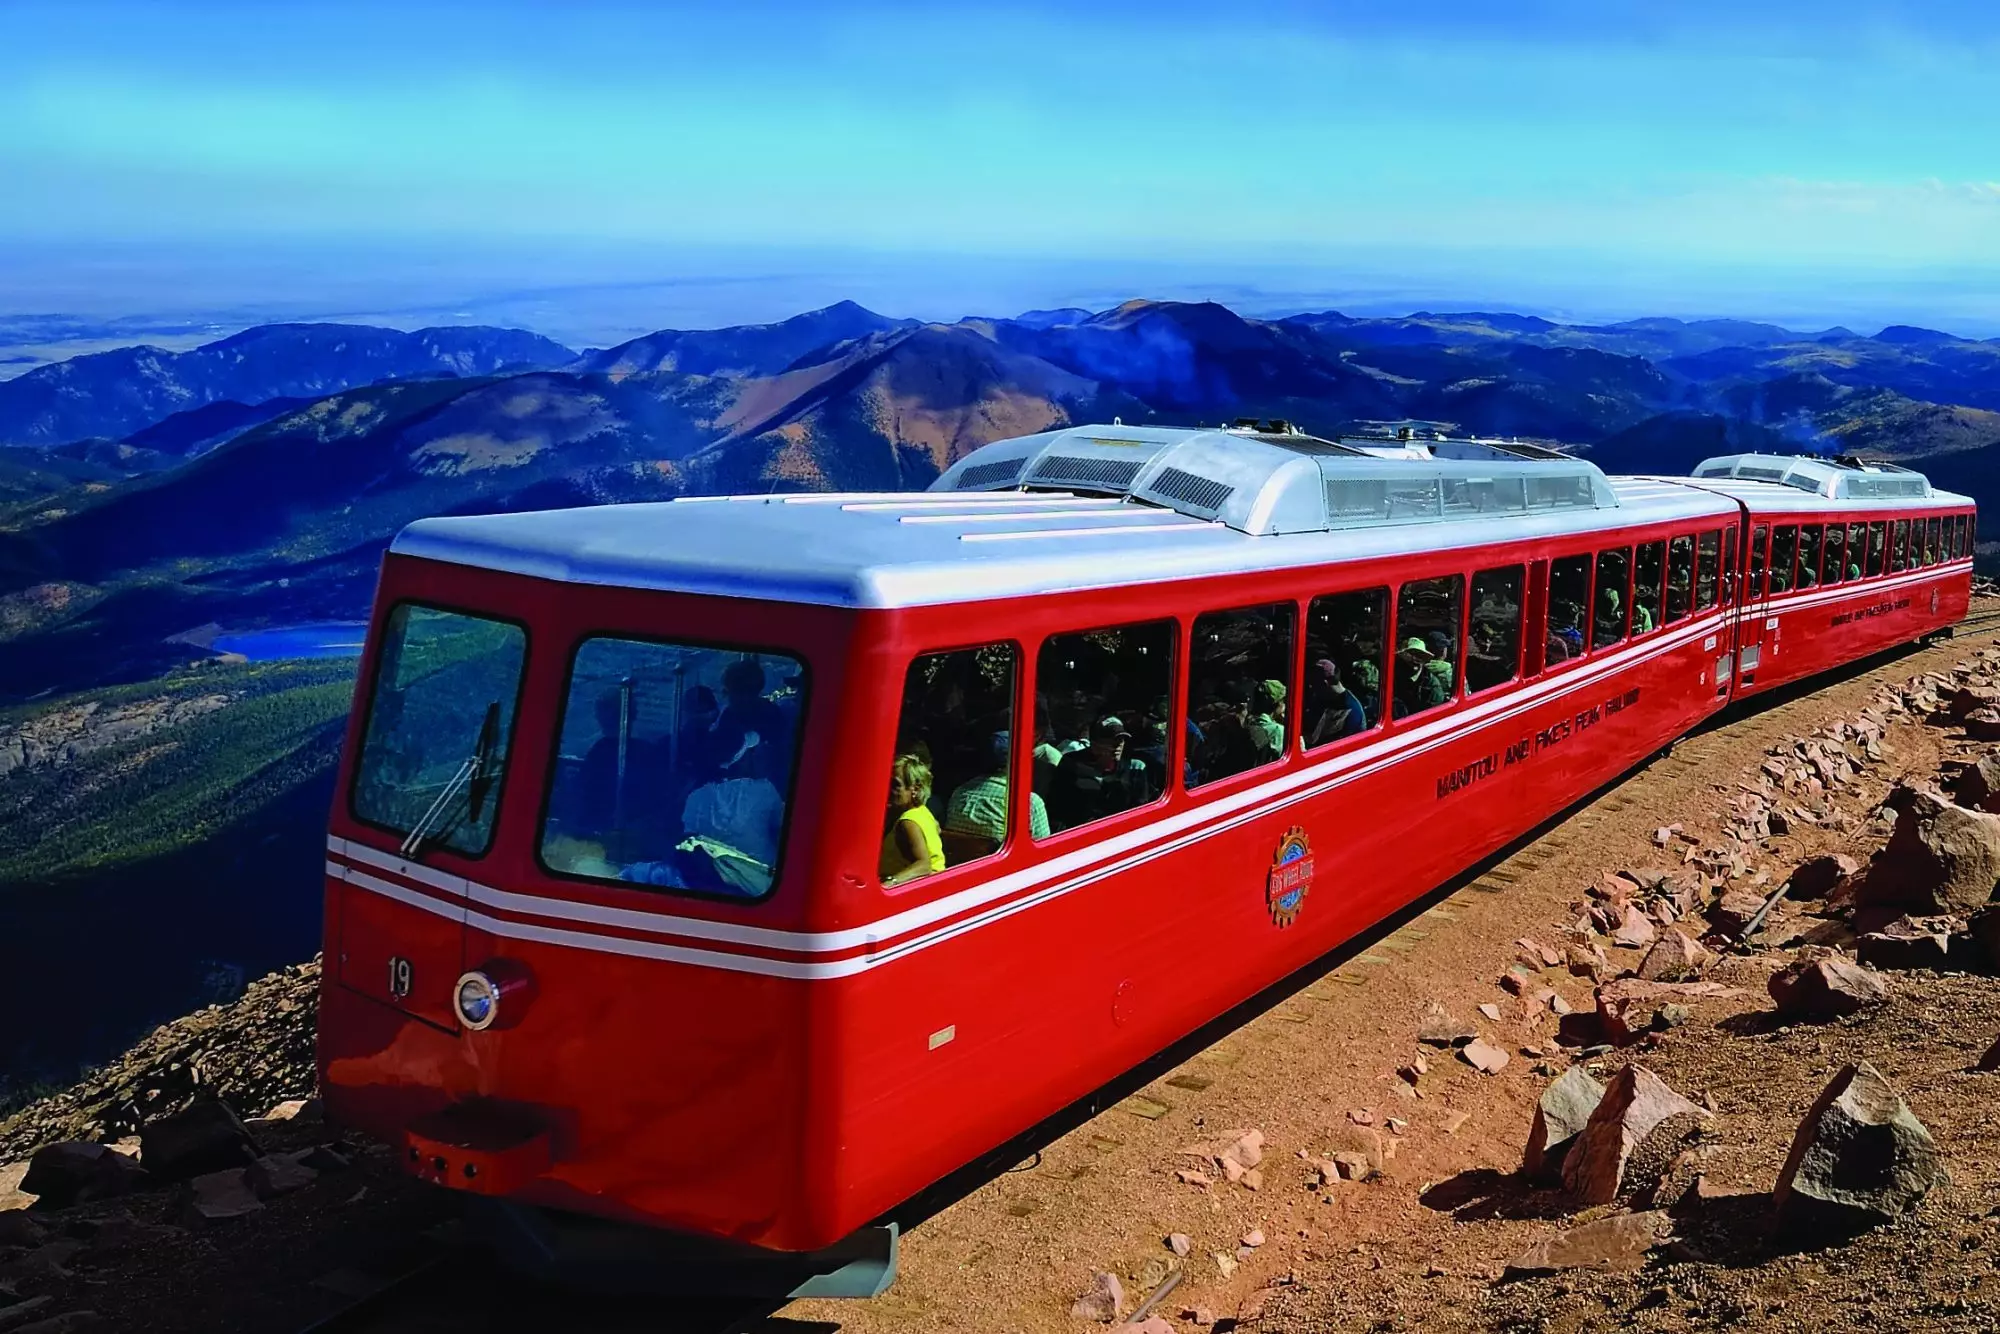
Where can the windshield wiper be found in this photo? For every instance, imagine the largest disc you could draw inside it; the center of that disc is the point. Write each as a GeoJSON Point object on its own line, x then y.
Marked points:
{"type": "Point", "coordinates": [472, 779]}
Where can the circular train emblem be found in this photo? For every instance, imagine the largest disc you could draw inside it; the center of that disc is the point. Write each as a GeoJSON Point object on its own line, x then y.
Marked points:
{"type": "Point", "coordinates": [1291, 876]}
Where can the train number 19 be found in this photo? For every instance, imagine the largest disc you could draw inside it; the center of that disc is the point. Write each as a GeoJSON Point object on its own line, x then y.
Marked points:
{"type": "Point", "coordinates": [399, 976]}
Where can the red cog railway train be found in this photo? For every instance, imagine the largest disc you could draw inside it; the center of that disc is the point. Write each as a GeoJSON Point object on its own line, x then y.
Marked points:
{"type": "Point", "coordinates": [741, 866]}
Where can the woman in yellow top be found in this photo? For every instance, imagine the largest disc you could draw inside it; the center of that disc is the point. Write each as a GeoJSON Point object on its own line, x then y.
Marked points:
{"type": "Point", "coordinates": [913, 847]}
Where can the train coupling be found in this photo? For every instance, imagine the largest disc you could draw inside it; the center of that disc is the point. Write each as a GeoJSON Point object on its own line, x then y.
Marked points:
{"type": "Point", "coordinates": [483, 1147]}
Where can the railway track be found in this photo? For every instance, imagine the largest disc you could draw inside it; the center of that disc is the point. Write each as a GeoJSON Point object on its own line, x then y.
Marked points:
{"type": "Point", "coordinates": [454, 1288]}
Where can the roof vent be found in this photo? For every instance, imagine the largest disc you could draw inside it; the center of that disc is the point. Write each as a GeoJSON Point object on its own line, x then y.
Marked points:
{"type": "Point", "coordinates": [987, 475]}
{"type": "Point", "coordinates": [1091, 473]}
{"type": "Point", "coordinates": [1200, 493]}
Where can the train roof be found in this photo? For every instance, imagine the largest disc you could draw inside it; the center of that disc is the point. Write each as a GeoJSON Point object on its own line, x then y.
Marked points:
{"type": "Point", "coordinates": [1781, 483]}
{"type": "Point", "coordinates": [894, 549]}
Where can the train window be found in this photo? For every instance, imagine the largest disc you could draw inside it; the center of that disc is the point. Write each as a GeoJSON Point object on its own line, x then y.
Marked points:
{"type": "Point", "coordinates": [1808, 573]}
{"type": "Point", "coordinates": [1958, 537]}
{"type": "Point", "coordinates": [1427, 620]}
{"type": "Point", "coordinates": [948, 781]}
{"type": "Point", "coordinates": [1107, 696]}
{"type": "Point", "coordinates": [1680, 578]}
{"type": "Point", "coordinates": [1964, 535]}
{"type": "Point", "coordinates": [1614, 597]}
{"type": "Point", "coordinates": [1931, 543]}
{"type": "Point", "coordinates": [1857, 549]}
{"type": "Point", "coordinates": [1877, 547]}
{"type": "Point", "coordinates": [1729, 566]}
{"type": "Point", "coordinates": [1705, 569]}
{"type": "Point", "coordinates": [1784, 555]}
{"type": "Point", "coordinates": [1239, 690]}
{"type": "Point", "coordinates": [1493, 639]}
{"type": "Point", "coordinates": [1836, 553]}
{"type": "Point", "coordinates": [1569, 608]}
{"type": "Point", "coordinates": [1759, 564]}
{"type": "Point", "coordinates": [439, 723]}
{"type": "Point", "coordinates": [674, 766]}
{"type": "Point", "coordinates": [1647, 568]}
{"type": "Point", "coordinates": [1899, 550]}
{"type": "Point", "coordinates": [1345, 637]}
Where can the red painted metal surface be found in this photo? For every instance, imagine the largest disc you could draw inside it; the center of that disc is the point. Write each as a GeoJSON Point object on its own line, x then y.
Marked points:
{"type": "Point", "coordinates": [783, 1072]}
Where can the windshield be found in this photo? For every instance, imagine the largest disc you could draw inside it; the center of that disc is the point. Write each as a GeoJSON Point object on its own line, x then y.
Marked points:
{"type": "Point", "coordinates": [439, 722]}
{"type": "Point", "coordinates": [675, 766]}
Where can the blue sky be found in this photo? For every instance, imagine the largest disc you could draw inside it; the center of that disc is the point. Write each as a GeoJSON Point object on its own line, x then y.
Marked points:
{"type": "Point", "coordinates": [1784, 159]}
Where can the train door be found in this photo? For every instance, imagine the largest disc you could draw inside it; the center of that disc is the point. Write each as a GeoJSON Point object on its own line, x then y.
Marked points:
{"type": "Point", "coordinates": [1753, 617]}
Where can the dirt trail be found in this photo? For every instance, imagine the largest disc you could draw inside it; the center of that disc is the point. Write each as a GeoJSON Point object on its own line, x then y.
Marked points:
{"type": "Point", "coordinates": [1013, 1254]}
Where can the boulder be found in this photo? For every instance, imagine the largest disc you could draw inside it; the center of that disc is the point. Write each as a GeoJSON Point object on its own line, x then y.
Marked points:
{"type": "Point", "coordinates": [1675, 957]}
{"type": "Point", "coordinates": [1103, 1301]}
{"type": "Point", "coordinates": [1990, 1062]}
{"type": "Point", "coordinates": [1979, 786]}
{"type": "Point", "coordinates": [1440, 1028]}
{"type": "Point", "coordinates": [1860, 1158]}
{"type": "Point", "coordinates": [215, 1196]}
{"type": "Point", "coordinates": [207, 1137]}
{"type": "Point", "coordinates": [12, 1197]}
{"type": "Point", "coordinates": [1941, 857]}
{"type": "Point", "coordinates": [1827, 987]}
{"type": "Point", "coordinates": [1635, 1104]}
{"type": "Point", "coordinates": [1589, 961]}
{"type": "Point", "coordinates": [1913, 942]}
{"type": "Point", "coordinates": [1560, 1116]}
{"type": "Point", "coordinates": [20, 1228]}
{"type": "Point", "coordinates": [1984, 927]}
{"type": "Point", "coordinates": [73, 1172]}
{"type": "Point", "coordinates": [1734, 912]}
{"type": "Point", "coordinates": [1612, 1244]}
{"type": "Point", "coordinates": [1635, 930]}
{"type": "Point", "coordinates": [1817, 877]}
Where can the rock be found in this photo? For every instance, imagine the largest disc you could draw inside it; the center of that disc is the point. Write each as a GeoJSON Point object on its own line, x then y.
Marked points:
{"type": "Point", "coordinates": [1860, 1158]}
{"type": "Point", "coordinates": [278, 1174]}
{"type": "Point", "coordinates": [1612, 1244]}
{"type": "Point", "coordinates": [1941, 857]}
{"type": "Point", "coordinates": [1635, 1104]}
{"type": "Point", "coordinates": [1515, 982]}
{"type": "Point", "coordinates": [1983, 724]}
{"type": "Point", "coordinates": [324, 1158]}
{"type": "Point", "coordinates": [1559, 1005]}
{"type": "Point", "coordinates": [1629, 1006]}
{"type": "Point", "coordinates": [1225, 1262]}
{"type": "Point", "coordinates": [1588, 961]}
{"type": "Point", "coordinates": [1817, 877]}
{"type": "Point", "coordinates": [1665, 835]}
{"type": "Point", "coordinates": [1490, 1010]}
{"type": "Point", "coordinates": [1353, 1166]}
{"type": "Point", "coordinates": [12, 1197]}
{"type": "Point", "coordinates": [1735, 911]}
{"type": "Point", "coordinates": [1635, 931]}
{"type": "Point", "coordinates": [1152, 1324]}
{"type": "Point", "coordinates": [75, 1173]}
{"type": "Point", "coordinates": [14, 1316]}
{"type": "Point", "coordinates": [1484, 1057]}
{"type": "Point", "coordinates": [215, 1196]}
{"type": "Point", "coordinates": [207, 1137]}
{"type": "Point", "coordinates": [1675, 957]}
{"type": "Point", "coordinates": [1253, 1238]}
{"type": "Point", "coordinates": [19, 1229]}
{"type": "Point", "coordinates": [1188, 1177]}
{"type": "Point", "coordinates": [1537, 955]}
{"type": "Point", "coordinates": [1440, 1029]}
{"type": "Point", "coordinates": [1104, 1301]}
{"type": "Point", "coordinates": [1415, 1070]}
{"type": "Point", "coordinates": [305, 1111]}
{"type": "Point", "coordinates": [1180, 1243]}
{"type": "Point", "coordinates": [1979, 786]}
{"type": "Point", "coordinates": [1825, 988]}
{"type": "Point", "coordinates": [1984, 927]}
{"type": "Point", "coordinates": [1990, 1062]}
{"type": "Point", "coordinates": [1560, 1116]}
{"type": "Point", "coordinates": [1455, 1121]}
{"type": "Point", "coordinates": [1912, 942]}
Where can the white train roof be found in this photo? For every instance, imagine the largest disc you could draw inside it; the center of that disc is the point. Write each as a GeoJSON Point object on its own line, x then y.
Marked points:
{"type": "Point", "coordinates": [1779, 483]}
{"type": "Point", "coordinates": [897, 549]}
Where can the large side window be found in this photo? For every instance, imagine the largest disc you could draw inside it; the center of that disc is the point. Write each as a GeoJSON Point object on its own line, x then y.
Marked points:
{"type": "Point", "coordinates": [1759, 562]}
{"type": "Point", "coordinates": [1346, 634]}
{"type": "Point", "coordinates": [1493, 638]}
{"type": "Point", "coordinates": [1835, 566]}
{"type": "Point", "coordinates": [1899, 549]}
{"type": "Point", "coordinates": [1932, 547]}
{"type": "Point", "coordinates": [1784, 556]}
{"type": "Point", "coordinates": [1964, 535]}
{"type": "Point", "coordinates": [1239, 689]}
{"type": "Point", "coordinates": [1680, 578]}
{"type": "Point", "coordinates": [1112, 689]}
{"type": "Point", "coordinates": [440, 718]}
{"type": "Point", "coordinates": [1614, 596]}
{"type": "Point", "coordinates": [674, 766]}
{"type": "Point", "coordinates": [1729, 566]}
{"type": "Point", "coordinates": [1808, 575]}
{"type": "Point", "coordinates": [1569, 608]}
{"type": "Point", "coordinates": [1427, 620]}
{"type": "Point", "coordinates": [1877, 544]}
{"type": "Point", "coordinates": [1958, 537]}
{"type": "Point", "coordinates": [1647, 568]}
{"type": "Point", "coordinates": [1708, 561]}
{"type": "Point", "coordinates": [953, 763]}
{"type": "Point", "coordinates": [1857, 550]}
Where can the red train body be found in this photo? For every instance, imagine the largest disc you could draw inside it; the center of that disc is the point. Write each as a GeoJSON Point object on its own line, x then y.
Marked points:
{"type": "Point", "coordinates": [781, 1067]}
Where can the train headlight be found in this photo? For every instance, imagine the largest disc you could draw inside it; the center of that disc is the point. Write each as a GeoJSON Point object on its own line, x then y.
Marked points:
{"type": "Point", "coordinates": [477, 1000]}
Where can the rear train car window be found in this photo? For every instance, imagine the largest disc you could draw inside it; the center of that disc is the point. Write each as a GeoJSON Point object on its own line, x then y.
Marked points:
{"type": "Point", "coordinates": [1493, 638]}
{"type": "Point", "coordinates": [1808, 575]}
{"type": "Point", "coordinates": [1680, 579]}
{"type": "Point", "coordinates": [1835, 566]}
{"type": "Point", "coordinates": [674, 766]}
{"type": "Point", "coordinates": [1239, 690]}
{"type": "Point", "coordinates": [1614, 597]}
{"type": "Point", "coordinates": [1857, 549]}
{"type": "Point", "coordinates": [1427, 621]}
{"type": "Point", "coordinates": [1784, 555]}
{"type": "Point", "coordinates": [440, 718]}
{"type": "Point", "coordinates": [1647, 569]}
{"type": "Point", "coordinates": [1569, 608]}
{"type": "Point", "coordinates": [1346, 635]}
{"type": "Point", "coordinates": [1107, 698]}
{"type": "Point", "coordinates": [1899, 552]}
{"type": "Point", "coordinates": [948, 781]}
{"type": "Point", "coordinates": [1707, 563]}
{"type": "Point", "coordinates": [1876, 548]}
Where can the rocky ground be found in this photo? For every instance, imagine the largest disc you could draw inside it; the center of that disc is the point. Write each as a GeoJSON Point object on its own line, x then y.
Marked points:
{"type": "Point", "coordinates": [1605, 1006]}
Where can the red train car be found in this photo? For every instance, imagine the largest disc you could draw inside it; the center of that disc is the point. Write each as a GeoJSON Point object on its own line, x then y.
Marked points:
{"type": "Point", "coordinates": [739, 867]}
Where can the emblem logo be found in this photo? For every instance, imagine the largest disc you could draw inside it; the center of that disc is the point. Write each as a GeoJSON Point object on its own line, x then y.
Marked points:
{"type": "Point", "coordinates": [1291, 876]}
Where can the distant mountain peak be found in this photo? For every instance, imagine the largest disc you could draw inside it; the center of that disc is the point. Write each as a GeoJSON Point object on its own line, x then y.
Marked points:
{"type": "Point", "coordinates": [1911, 335]}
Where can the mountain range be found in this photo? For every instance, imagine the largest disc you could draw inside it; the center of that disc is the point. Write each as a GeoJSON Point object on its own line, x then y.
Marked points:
{"type": "Point", "coordinates": [256, 479]}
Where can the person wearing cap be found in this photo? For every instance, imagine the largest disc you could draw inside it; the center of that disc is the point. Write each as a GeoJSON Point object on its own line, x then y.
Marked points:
{"type": "Point", "coordinates": [979, 806]}
{"type": "Point", "coordinates": [1425, 682]}
{"type": "Point", "coordinates": [1096, 781]}
{"type": "Point", "coordinates": [1336, 710]}
{"type": "Point", "coordinates": [1266, 723]}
